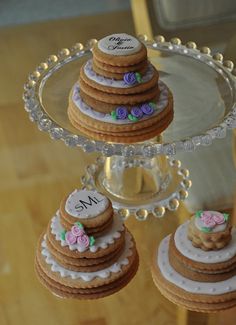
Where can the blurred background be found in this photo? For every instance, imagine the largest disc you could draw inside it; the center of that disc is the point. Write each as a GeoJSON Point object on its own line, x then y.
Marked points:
{"type": "Point", "coordinates": [36, 172]}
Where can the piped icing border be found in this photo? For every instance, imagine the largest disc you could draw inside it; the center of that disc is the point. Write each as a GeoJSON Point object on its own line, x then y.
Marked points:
{"type": "Point", "coordinates": [103, 117]}
{"type": "Point", "coordinates": [196, 287]}
{"type": "Point", "coordinates": [185, 247]}
{"type": "Point", "coordinates": [88, 276]}
{"type": "Point", "coordinates": [101, 242]}
{"type": "Point", "coordinates": [109, 82]}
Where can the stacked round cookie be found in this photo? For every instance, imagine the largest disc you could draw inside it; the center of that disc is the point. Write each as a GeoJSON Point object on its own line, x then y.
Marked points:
{"type": "Point", "coordinates": [119, 96]}
{"type": "Point", "coordinates": [86, 252]}
{"type": "Point", "coordinates": [196, 266]}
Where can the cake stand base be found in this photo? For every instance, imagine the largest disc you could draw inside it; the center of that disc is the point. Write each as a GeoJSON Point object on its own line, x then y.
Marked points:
{"type": "Point", "coordinates": [139, 186]}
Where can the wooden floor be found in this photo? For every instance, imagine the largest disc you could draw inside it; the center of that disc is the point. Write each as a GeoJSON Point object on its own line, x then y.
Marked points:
{"type": "Point", "coordinates": [36, 172]}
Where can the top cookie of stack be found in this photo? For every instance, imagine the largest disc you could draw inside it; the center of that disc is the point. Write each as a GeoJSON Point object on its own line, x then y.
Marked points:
{"type": "Point", "coordinates": [119, 96]}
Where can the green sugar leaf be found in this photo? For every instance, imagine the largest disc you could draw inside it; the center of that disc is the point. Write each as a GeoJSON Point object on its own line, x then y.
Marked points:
{"type": "Point", "coordinates": [132, 118]}
{"type": "Point", "coordinates": [63, 235]}
{"type": "Point", "coordinates": [138, 77]}
{"type": "Point", "coordinates": [206, 229]}
{"type": "Point", "coordinates": [91, 241]}
{"type": "Point", "coordinates": [113, 115]}
{"type": "Point", "coordinates": [153, 105]}
{"type": "Point", "coordinates": [79, 224]}
{"type": "Point", "coordinates": [226, 216]}
{"type": "Point", "coordinates": [198, 213]}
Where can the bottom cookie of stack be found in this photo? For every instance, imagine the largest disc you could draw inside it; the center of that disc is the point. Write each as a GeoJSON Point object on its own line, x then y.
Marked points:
{"type": "Point", "coordinates": [86, 285]}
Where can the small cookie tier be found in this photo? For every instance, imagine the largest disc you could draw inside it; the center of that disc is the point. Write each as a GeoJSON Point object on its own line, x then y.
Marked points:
{"type": "Point", "coordinates": [86, 251]}
{"type": "Point", "coordinates": [119, 96]}
{"type": "Point", "coordinates": [195, 278]}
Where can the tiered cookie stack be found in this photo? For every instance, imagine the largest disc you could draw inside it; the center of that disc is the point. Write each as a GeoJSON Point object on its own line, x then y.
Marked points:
{"type": "Point", "coordinates": [87, 252]}
{"type": "Point", "coordinates": [119, 96]}
{"type": "Point", "coordinates": [196, 266]}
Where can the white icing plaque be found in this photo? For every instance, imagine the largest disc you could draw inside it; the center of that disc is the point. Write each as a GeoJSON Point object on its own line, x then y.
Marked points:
{"type": "Point", "coordinates": [119, 44]}
{"type": "Point", "coordinates": [85, 204]}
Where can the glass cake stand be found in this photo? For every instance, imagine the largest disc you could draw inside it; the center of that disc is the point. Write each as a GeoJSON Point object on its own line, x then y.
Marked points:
{"type": "Point", "coordinates": [142, 178]}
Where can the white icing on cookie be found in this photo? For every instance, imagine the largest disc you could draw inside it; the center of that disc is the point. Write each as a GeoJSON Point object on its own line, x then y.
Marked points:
{"type": "Point", "coordinates": [92, 75]}
{"type": "Point", "coordinates": [185, 247]}
{"type": "Point", "coordinates": [101, 242]}
{"type": "Point", "coordinates": [199, 223]}
{"type": "Point", "coordinates": [85, 204]}
{"type": "Point", "coordinates": [186, 284]}
{"type": "Point", "coordinates": [119, 44]}
{"type": "Point", "coordinates": [88, 276]}
{"type": "Point", "coordinates": [87, 110]}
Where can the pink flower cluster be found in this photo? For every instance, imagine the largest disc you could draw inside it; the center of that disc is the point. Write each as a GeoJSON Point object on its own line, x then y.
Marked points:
{"type": "Point", "coordinates": [77, 235]}
{"type": "Point", "coordinates": [210, 220]}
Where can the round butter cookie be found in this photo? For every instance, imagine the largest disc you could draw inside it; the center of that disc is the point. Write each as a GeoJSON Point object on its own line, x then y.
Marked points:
{"type": "Point", "coordinates": [192, 277]}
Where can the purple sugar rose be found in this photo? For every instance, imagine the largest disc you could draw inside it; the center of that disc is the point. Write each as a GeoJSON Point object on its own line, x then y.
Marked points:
{"type": "Point", "coordinates": [83, 241]}
{"type": "Point", "coordinates": [121, 112]}
{"type": "Point", "coordinates": [130, 78]}
{"type": "Point", "coordinates": [70, 238]}
{"type": "Point", "coordinates": [136, 112]}
{"type": "Point", "coordinates": [147, 109]}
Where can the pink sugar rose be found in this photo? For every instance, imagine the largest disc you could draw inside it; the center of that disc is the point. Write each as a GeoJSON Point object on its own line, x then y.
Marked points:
{"type": "Point", "coordinates": [77, 231]}
{"type": "Point", "coordinates": [83, 241]}
{"type": "Point", "coordinates": [207, 219]}
{"type": "Point", "coordinates": [219, 219]}
{"type": "Point", "coordinates": [70, 238]}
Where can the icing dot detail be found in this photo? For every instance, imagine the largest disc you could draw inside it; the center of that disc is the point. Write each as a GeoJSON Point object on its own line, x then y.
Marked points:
{"type": "Point", "coordinates": [217, 288]}
{"type": "Point", "coordinates": [183, 245]}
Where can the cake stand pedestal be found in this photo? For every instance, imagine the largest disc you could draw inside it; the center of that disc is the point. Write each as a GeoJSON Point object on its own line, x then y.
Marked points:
{"type": "Point", "coordinates": [142, 178]}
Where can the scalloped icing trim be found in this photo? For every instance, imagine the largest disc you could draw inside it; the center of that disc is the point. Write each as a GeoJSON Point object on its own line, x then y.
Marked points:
{"type": "Point", "coordinates": [101, 242]}
{"type": "Point", "coordinates": [185, 247]}
{"type": "Point", "coordinates": [196, 287]}
{"type": "Point", "coordinates": [103, 117]}
{"type": "Point", "coordinates": [109, 82]}
{"type": "Point", "coordinates": [88, 276]}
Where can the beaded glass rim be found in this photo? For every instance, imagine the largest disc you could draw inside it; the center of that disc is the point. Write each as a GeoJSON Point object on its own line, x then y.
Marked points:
{"type": "Point", "coordinates": [157, 207]}
{"type": "Point", "coordinates": [34, 86]}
